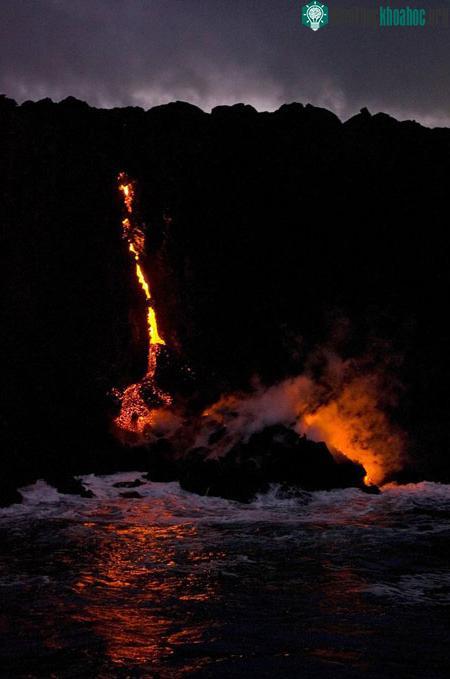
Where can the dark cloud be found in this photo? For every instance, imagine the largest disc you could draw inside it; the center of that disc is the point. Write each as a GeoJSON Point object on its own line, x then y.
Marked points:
{"type": "Point", "coordinates": [147, 52]}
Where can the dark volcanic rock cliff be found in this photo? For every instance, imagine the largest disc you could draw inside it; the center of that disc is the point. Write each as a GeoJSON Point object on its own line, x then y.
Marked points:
{"type": "Point", "coordinates": [269, 234]}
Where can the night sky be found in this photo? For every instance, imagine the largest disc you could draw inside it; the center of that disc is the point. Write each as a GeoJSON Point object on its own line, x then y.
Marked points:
{"type": "Point", "coordinates": [210, 52]}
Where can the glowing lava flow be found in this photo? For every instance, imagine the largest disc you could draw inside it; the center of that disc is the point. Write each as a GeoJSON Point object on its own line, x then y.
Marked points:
{"type": "Point", "coordinates": [136, 416]}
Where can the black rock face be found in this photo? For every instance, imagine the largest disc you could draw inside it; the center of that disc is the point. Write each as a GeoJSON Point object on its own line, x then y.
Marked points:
{"type": "Point", "coordinates": [9, 495]}
{"type": "Point", "coordinates": [128, 484]}
{"type": "Point", "coordinates": [291, 460]}
{"type": "Point", "coordinates": [161, 462]}
{"type": "Point", "coordinates": [276, 455]}
{"type": "Point", "coordinates": [224, 477]}
{"type": "Point", "coordinates": [68, 485]}
{"type": "Point", "coordinates": [269, 234]}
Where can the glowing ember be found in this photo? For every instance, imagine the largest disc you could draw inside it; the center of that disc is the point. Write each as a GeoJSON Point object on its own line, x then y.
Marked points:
{"type": "Point", "coordinates": [136, 417]}
{"type": "Point", "coordinates": [127, 189]}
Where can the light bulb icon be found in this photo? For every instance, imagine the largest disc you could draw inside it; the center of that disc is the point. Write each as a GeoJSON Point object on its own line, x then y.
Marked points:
{"type": "Point", "coordinates": [315, 16]}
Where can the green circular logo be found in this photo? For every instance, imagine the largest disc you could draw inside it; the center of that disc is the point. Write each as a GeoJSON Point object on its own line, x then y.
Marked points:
{"type": "Point", "coordinates": [314, 15]}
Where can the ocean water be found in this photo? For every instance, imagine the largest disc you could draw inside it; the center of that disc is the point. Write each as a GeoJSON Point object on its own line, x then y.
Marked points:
{"type": "Point", "coordinates": [333, 584]}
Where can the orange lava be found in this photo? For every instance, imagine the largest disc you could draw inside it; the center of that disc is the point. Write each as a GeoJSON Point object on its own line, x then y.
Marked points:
{"type": "Point", "coordinates": [136, 418]}
{"type": "Point", "coordinates": [136, 245]}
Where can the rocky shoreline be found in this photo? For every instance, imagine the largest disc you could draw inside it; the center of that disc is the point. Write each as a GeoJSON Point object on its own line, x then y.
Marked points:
{"type": "Point", "coordinates": [276, 455]}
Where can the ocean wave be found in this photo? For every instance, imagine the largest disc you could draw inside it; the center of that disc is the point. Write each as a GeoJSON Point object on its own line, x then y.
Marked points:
{"type": "Point", "coordinates": [167, 503]}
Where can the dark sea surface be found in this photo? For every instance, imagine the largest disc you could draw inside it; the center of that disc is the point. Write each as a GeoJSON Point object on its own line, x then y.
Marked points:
{"type": "Point", "coordinates": [338, 584]}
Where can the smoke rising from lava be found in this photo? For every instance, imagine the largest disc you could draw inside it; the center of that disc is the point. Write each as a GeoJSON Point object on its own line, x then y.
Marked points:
{"type": "Point", "coordinates": [343, 408]}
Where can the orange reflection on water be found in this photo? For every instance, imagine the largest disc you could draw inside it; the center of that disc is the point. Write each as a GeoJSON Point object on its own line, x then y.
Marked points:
{"type": "Point", "coordinates": [340, 606]}
{"type": "Point", "coordinates": [139, 593]}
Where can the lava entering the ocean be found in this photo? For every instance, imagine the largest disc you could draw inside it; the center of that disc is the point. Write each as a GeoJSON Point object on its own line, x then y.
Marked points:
{"type": "Point", "coordinates": [142, 403]}
{"type": "Point", "coordinates": [343, 408]}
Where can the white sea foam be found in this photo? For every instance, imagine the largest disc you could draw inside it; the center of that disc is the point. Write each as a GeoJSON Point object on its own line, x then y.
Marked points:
{"type": "Point", "coordinates": [167, 503]}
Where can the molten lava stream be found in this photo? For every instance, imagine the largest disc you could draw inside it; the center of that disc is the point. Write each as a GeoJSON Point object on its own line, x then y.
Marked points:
{"type": "Point", "coordinates": [141, 403]}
